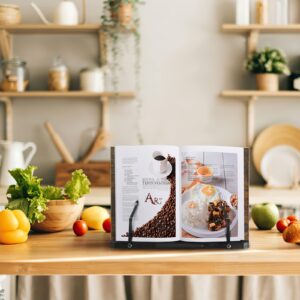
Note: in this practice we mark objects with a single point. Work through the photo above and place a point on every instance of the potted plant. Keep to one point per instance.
(49, 208)
(267, 65)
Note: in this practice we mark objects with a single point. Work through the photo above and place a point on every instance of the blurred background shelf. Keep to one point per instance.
(233, 28)
(51, 28)
(284, 197)
(253, 93)
(68, 94)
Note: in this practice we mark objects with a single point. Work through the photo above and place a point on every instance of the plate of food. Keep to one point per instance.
(203, 208)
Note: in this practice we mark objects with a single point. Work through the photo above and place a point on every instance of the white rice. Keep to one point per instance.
(195, 213)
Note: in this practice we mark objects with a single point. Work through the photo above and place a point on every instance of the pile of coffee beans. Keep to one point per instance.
(163, 225)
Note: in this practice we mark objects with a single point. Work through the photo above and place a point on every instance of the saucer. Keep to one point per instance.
(161, 175)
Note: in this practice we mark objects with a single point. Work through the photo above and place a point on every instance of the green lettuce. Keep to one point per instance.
(78, 186)
(53, 193)
(29, 196)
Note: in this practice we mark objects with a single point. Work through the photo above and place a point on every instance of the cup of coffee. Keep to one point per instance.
(160, 162)
(205, 173)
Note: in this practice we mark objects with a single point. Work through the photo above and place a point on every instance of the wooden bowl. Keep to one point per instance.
(60, 215)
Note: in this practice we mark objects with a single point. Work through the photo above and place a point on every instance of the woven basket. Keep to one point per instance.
(9, 14)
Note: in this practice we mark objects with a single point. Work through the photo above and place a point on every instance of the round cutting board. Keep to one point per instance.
(280, 134)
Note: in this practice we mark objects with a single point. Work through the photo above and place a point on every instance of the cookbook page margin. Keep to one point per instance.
(138, 176)
(194, 151)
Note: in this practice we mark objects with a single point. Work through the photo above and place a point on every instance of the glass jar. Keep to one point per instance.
(14, 75)
(58, 76)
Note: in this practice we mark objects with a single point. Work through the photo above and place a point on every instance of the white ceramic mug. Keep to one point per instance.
(160, 164)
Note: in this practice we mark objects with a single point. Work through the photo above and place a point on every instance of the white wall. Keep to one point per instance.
(186, 62)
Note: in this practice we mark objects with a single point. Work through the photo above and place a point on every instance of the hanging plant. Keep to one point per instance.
(120, 19)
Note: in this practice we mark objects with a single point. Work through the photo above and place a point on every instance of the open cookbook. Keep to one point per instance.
(179, 197)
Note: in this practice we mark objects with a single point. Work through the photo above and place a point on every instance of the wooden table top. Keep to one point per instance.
(64, 253)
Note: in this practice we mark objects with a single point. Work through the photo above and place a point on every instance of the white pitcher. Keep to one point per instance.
(12, 156)
(66, 13)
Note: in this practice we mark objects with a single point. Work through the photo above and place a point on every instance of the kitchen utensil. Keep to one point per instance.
(10, 14)
(13, 157)
(92, 80)
(280, 167)
(66, 13)
(98, 143)
(280, 134)
(58, 76)
(59, 144)
(60, 215)
(262, 12)
(14, 75)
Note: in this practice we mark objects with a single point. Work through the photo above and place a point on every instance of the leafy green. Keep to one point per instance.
(53, 193)
(268, 61)
(29, 196)
(78, 186)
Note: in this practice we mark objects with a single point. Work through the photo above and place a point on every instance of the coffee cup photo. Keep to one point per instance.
(160, 163)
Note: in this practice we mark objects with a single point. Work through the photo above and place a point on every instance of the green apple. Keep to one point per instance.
(265, 215)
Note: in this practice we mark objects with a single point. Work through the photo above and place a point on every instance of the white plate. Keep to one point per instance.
(204, 232)
(280, 166)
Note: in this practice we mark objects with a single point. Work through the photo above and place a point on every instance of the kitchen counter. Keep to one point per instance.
(64, 253)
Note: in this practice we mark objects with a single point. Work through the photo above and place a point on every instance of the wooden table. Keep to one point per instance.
(63, 253)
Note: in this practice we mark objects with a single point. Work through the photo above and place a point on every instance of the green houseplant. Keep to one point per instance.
(120, 21)
(267, 64)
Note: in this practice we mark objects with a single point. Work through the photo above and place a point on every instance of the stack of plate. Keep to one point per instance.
(276, 155)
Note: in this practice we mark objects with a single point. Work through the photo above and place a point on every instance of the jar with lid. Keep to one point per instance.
(92, 79)
(15, 76)
(58, 76)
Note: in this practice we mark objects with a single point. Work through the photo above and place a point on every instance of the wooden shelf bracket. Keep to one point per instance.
(8, 118)
(251, 121)
(5, 44)
(252, 41)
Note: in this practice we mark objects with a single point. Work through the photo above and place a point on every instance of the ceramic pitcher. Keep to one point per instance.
(12, 156)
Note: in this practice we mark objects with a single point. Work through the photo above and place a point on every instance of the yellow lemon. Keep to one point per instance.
(95, 216)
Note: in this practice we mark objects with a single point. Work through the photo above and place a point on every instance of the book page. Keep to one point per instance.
(212, 189)
(147, 174)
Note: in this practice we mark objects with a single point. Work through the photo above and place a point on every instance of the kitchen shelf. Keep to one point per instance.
(51, 28)
(252, 33)
(252, 93)
(6, 37)
(278, 196)
(233, 28)
(69, 94)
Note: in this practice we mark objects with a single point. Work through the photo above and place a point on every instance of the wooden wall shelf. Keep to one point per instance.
(69, 94)
(6, 36)
(252, 93)
(233, 28)
(57, 29)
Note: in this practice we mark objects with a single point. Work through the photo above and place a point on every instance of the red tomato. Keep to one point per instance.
(107, 225)
(80, 228)
(282, 224)
(292, 218)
